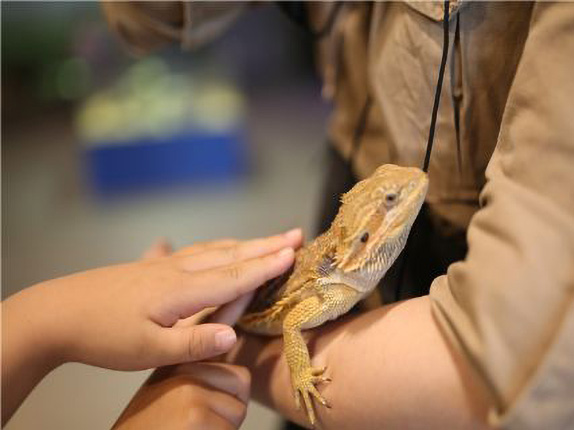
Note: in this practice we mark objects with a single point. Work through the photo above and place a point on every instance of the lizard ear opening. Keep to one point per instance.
(365, 237)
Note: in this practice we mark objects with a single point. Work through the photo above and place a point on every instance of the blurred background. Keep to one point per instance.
(103, 153)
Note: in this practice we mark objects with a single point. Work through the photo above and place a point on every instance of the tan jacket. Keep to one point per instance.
(509, 306)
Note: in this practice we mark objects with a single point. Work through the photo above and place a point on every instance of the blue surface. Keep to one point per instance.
(188, 156)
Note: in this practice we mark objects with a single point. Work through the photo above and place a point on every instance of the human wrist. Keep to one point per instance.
(29, 350)
(38, 319)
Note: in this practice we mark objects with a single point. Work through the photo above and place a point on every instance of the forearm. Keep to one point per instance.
(389, 367)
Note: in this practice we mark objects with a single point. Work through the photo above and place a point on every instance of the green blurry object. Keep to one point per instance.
(38, 43)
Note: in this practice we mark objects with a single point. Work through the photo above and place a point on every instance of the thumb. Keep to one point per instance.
(199, 342)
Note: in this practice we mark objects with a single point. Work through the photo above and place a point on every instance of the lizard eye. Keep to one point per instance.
(365, 237)
(391, 198)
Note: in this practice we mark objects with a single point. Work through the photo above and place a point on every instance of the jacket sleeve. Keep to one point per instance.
(146, 26)
(509, 305)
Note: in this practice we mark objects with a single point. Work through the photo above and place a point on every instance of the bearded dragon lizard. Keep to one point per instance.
(339, 268)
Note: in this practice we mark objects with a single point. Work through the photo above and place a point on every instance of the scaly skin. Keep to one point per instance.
(339, 268)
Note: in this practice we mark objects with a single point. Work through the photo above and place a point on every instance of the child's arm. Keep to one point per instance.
(125, 317)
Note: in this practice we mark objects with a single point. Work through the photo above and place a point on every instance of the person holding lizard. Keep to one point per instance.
(484, 336)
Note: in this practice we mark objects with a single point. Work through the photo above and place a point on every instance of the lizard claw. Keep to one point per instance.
(304, 386)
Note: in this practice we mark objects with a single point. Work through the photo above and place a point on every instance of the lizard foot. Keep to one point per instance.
(304, 386)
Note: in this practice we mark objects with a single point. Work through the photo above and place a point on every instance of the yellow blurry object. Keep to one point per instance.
(150, 100)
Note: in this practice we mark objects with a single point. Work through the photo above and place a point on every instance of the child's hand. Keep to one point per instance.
(126, 317)
(190, 396)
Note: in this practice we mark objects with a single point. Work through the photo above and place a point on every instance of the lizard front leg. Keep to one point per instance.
(311, 312)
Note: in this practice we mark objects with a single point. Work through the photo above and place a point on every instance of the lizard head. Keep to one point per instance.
(376, 216)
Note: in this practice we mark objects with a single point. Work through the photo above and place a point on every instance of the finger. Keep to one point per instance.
(227, 314)
(229, 283)
(228, 407)
(240, 251)
(161, 248)
(231, 312)
(205, 246)
(200, 317)
(200, 342)
(232, 379)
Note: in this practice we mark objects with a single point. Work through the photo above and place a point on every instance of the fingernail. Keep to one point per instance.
(225, 339)
(293, 234)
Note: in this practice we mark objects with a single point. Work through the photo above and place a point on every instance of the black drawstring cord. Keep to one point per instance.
(364, 115)
(362, 123)
(438, 90)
